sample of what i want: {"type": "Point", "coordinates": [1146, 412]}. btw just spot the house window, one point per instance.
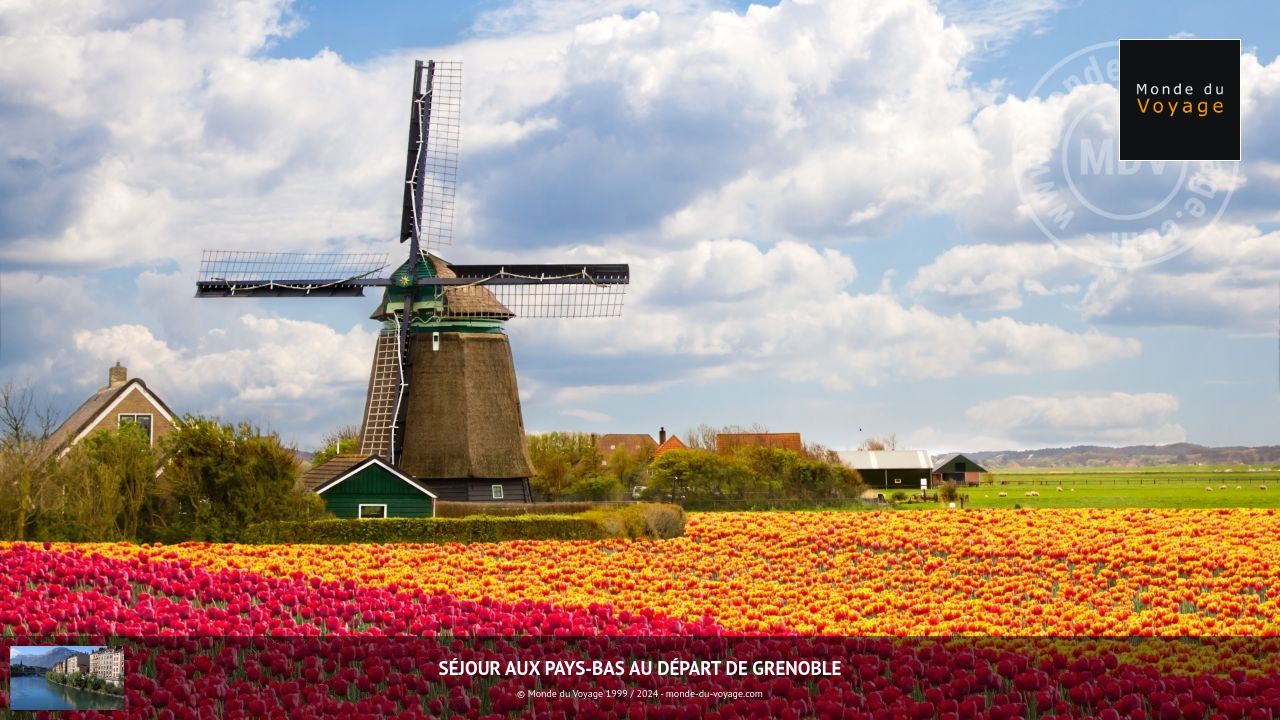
{"type": "Point", "coordinates": [372, 512]}
{"type": "Point", "coordinates": [897, 481]}
{"type": "Point", "coordinates": [497, 492]}
{"type": "Point", "coordinates": [960, 466]}
{"type": "Point", "coordinates": [143, 420]}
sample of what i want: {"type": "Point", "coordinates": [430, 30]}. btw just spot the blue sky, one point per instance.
{"type": "Point", "coordinates": [820, 203]}
{"type": "Point", "coordinates": [39, 649]}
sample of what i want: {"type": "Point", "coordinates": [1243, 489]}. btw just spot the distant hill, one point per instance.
{"type": "Point", "coordinates": [46, 659]}
{"type": "Point", "coordinates": [1131, 456]}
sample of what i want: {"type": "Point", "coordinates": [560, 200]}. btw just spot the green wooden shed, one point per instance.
{"type": "Point", "coordinates": [364, 486]}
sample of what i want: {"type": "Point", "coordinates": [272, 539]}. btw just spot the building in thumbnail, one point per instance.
{"type": "Point", "coordinates": [108, 664]}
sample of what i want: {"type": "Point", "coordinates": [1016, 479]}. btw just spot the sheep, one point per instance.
{"type": "Point", "coordinates": [1239, 487]}
{"type": "Point", "coordinates": [1059, 488]}
{"type": "Point", "coordinates": [1031, 493]}
{"type": "Point", "coordinates": [1262, 487]}
{"type": "Point", "coordinates": [1003, 494]}
{"type": "Point", "coordinates": [1208, 489]}
{"type": "Point", "coordinates": [1222, 487]}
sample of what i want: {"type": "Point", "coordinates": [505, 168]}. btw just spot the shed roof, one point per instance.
{"type": "Point", "coordinates": [336, 470]}
{"type": "Point", "coordinates": [886, 459]}
{"type": "Point", "coordinates": [730, 442]}
{"type": "Point", "coordinates": [942, 461]}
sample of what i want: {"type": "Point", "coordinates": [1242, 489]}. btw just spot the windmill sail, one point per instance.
{"type": "Point", "coordinates": [442, 402]}
{"type": "Point", "coordinates": [432, 164]}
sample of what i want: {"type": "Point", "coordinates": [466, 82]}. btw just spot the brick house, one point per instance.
{"type": "Point", "coordinates": [121, 401]}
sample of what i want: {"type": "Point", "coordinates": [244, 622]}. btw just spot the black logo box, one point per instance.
{"type": "Point", "coordinates": [1187, 68]}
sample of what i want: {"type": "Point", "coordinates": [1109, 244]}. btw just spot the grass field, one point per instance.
{"type": "Point", "coordinates": [1157, 487]}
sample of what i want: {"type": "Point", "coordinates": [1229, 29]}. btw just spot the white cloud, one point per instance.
{"type": "Point", "coordinates": [1227, 278]}
{"type": "Point", "coordinates": [268, 369]}
{"type": "Point", "coordinates": [1116, 418]}
{"type": "Point", "coordinates": [592, 416]}
{"type": "Point", "coordinates": [787, 310]}
{"type": "Point", "coordinates": [996, 277]}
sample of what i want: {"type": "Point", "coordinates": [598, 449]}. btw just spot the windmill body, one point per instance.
{"type": "Point", "coordinates": [442, 402]}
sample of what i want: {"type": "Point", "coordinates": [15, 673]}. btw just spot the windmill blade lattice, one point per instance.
{"type": "Point", "coordinates": [248, 273]}
{"type": "Point", "coordinates": [433, 149]}
{"type": "Point", "coordinates": [529, 300]}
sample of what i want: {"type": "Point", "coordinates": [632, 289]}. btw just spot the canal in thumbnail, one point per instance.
{"type": "Point", "coordinates": [33, 692]}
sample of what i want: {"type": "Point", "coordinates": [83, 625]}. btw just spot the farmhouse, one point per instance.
{"type": "Point", "coordinates": [121, 402]}
{"type": "Point", "coordinates": [890, 469]}
{"type": "Point", "coordinates": [729, 443]}
{"type": "Point", "coordinates": [669, 444]}
{"type": "Point", "coordinates": [632, 444]}
{"type": "Point", "coordinates": [958, 469]}
{"type": "Point", "coordinates": [363, 486]}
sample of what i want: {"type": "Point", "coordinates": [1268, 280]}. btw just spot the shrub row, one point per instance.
{"type": "Point", "coordinates": [455, 509]}
{"type": "Point", "coordinates": [631, 521]}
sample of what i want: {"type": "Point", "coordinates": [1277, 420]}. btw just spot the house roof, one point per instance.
{"type": "Point", "coordinates": [671, 443]}
{"type": "Point", "coordinates": [330, 469]}
{"type": "Point", "coordinates": [886, 459]}
{"type": "Point", "coordinates": [340, 468]}
{"type": "Point", "coordinates": [730, 442]}
{"type": "Point", "coordinates": [92, 410]}
{"type": "Point", "coordinates": [942, 461]}
{"type": "Point", "coordinates": [629, 442]}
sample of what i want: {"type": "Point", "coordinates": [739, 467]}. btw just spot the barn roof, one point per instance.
{"type": "Point", "coordinates": [671, 443]}
{"type": "Point", "coordinates": [943, 460]}
{"type": "Point", "coordinates": [339, 468]}
{"type": "Point", "coordinates": [886, 459]}
{"type": "Point", "coordinates": [731, 442]}
{"type": "Point", "coordinates": [92, 410]}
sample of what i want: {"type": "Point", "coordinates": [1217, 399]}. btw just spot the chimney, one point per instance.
{"type": "Point", "coordinates": [662, 435]}
{"type": "Point", "coordinates": [117, 376]}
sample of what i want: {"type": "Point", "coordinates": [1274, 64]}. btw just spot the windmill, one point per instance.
{"type": "Point", "coordinates": [442, 403]}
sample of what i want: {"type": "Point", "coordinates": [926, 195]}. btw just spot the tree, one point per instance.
{"type": "Point", "coordinates": [704, 436]}
{"type": "Point", "coordinates": [888, 442]}
{"type": "Point", "coordinates": [629, 468]}
{"type": "Point", "coordinates": [697, 477]}
{"type": "Point", "coordinates": [25, 461]}
{"type": "Point", "coordinates": [105, 481]}
{"type": "Point", "coordinates": [560, 459]}
{"type": "Point", "coordinates": [345, 439]}
{"type": "Point", "coordinates": [223, 478]}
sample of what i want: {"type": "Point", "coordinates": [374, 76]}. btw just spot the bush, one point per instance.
{"type": "Point", "coordinates": [948, 492]}
{"type": "Point", "coordinates": [222, 478]}
{"type": "Point", "coordinates": [630, 521]}
{"type": "Point", "coordinates": [898, 496]}
{"type": "Point", "coordinates": [651, 520]}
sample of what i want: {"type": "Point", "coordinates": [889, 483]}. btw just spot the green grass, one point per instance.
{"type": "Point", "coordinates": [1157, 487]}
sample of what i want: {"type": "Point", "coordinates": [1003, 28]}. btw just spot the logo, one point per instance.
{"type": "Point", "coordinates": [1180, 99]}
{"type": "Point", "coordinates": [1103, 209]}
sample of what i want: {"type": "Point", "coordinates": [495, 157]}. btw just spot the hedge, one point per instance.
{"type": "Point", "coordinates": [455, 509]}
{"type": "Point", "coordinates": [646, 520]}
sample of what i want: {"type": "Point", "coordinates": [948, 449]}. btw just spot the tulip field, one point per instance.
{"type": "Point", "coordinates": [975, 613]}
